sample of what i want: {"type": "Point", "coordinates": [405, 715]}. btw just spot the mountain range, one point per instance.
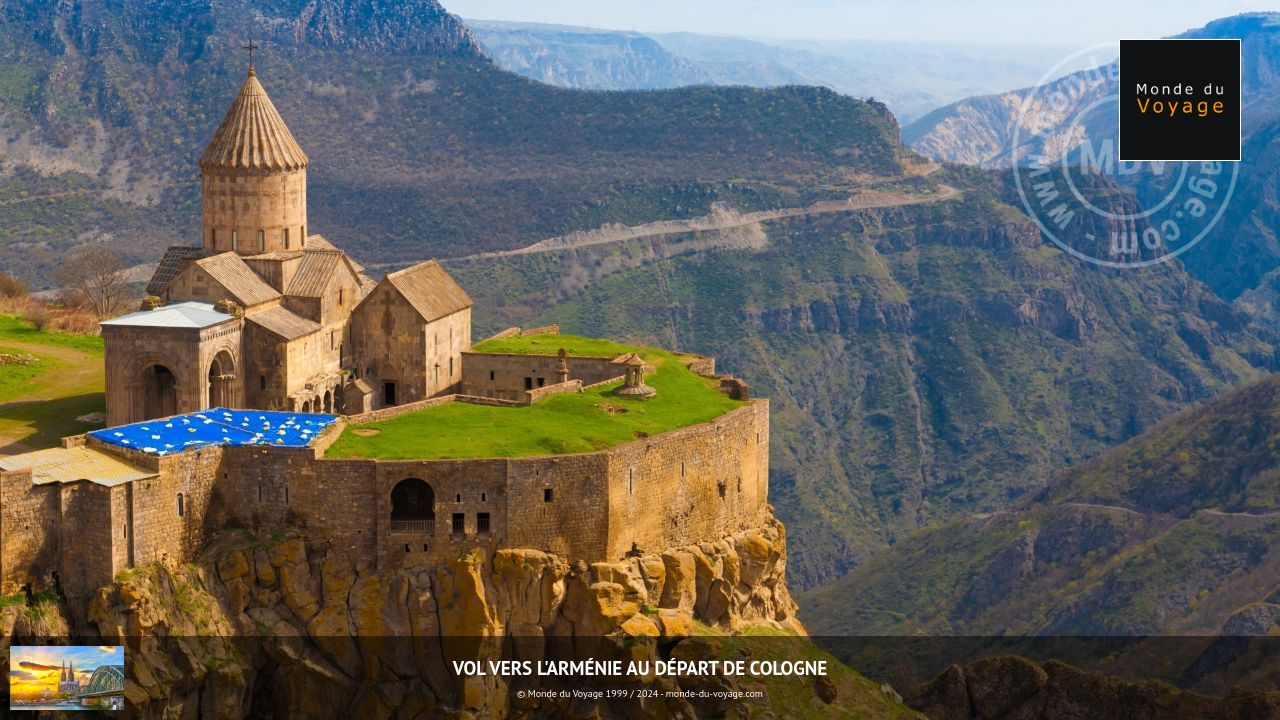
{"type": "Point", "coordinates": [1173, 533]}
{"type": "Point", "coordinates": [911, 78]}
{"type": "Point", "coordinates": [980, 130]}
{"type": "Point", "coordinates": [421, 147]}
{"type": "Point", "coordinates": [928, 355]}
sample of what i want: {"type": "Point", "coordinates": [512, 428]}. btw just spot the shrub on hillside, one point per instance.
{"type": "Point", "coordinates": [11, 287]}
{"type": "Point", "coordinates": [37, 314]}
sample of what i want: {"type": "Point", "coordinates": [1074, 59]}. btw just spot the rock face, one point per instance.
{"type": "Point", "coordinates": [1014, 687]}
{"type": "Point", "coordinates": [303, 628]}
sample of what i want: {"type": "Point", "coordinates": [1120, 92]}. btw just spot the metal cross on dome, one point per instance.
{"type": "Point", "coordinates": [251, 47]}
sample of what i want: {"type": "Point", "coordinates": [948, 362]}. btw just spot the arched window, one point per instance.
{"type": "Point", "coordinates": [262, 241]}
{"type": "Point", "coordinates": [413, 507]}
{"type": "Point", "coordinates": [181, 509]}
{"type": "Point", "coordinates": [286, 238]}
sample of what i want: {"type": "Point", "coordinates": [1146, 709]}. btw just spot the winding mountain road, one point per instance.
{"type": "Point", "coordinates": [720, 218]}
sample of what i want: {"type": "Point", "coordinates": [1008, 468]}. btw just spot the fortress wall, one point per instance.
{"type": "Point", "coordinates": [691, 485]}
{"type": "Point", "coordinates": [267, 487]}
{"type": "Point", "coordinates": [28, 531]}
{"type": "Point", "coordinates": [159, 533]}
{"type": "Point", "coordinates": [574, 522]}
{"type": "Point", "coordinates": [84, 527]}
{"type": "Point", "coordinates": [500, 375]}
{"type": "Point", "coordinates": [120, 532]}
{"type": "Point", "coordinates": [340, 503]}
{"type": "Point", "coordinates": [464, 487]}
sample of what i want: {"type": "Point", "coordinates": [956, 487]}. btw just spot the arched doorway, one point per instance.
{"type": "Point", "coordinates": [328, 401]}
{"type": "Point", "coordinates": [413, 507]}
{"type": "Point", "coordinates": [306, 406]}
{"type": "Point", "coordinates": [159, 392]}
{"type": "Point", "coordinates": [339, 403]}
{"type": "Point", "coordinates": [222, 380]}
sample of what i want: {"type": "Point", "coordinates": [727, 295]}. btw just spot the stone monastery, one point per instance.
{"type": "Point", "coordinates": [260, 348]}
{"type": "Point", "coordinates": [264, 315]}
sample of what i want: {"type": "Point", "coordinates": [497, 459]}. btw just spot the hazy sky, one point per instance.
{"type": "Point", "coordinates": [1040, 22]}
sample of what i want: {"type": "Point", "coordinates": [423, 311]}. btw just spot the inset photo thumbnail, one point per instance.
{"type": "Point", "coordinates": [66, 677]}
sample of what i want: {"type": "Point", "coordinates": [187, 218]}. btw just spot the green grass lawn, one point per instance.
{"type": "Point", "coordinates": [551, 344]}
{"type": "Point", "coordinates": [15, 328]}
{"type": "Point", "coordinates": [566, 423]}
{"type": "Point", "coordinates": [40, 403]}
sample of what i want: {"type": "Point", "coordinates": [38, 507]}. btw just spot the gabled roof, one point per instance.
{"type": "Point", "coordinates": [170, 265]}
{"type": "Point", "coordinates": [430, 290]}
{"type": "Point", "coordinates": [178, 315]}
{"type": "Point", "coordinates": [233, 273]}
{"type": "Point", "coordinates": [253, 136]}
{"type": "Point", "coordinates": [314, 273]}
{"type": "Point", "coordinates": [281, 321]}
{"type": "Point", "coordinates": [318, 242]}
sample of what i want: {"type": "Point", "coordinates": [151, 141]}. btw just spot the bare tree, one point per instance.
{"type": "Point", "coordinates": [97, 275]}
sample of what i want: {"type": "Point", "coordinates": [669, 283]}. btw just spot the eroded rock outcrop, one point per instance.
{"type": "Point", "coordinates": [304, 629]}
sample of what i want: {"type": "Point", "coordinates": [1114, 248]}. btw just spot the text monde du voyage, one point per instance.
{"type": "Point", "coordinates": [1181, 99]}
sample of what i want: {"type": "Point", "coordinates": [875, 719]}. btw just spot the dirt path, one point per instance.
{"type": "Point", "coordinates": [1098, 506]}
{"type": "Point", "coordinates": [59, 389]}
{"type": "Point", "coordinates": [50, 196]}
{"type": "Point", "coordinates": [719, 218]}
{"type": "Point", "coordinates": [85, 368]}
{"type": "Point", "coordinates": [1253, 516]}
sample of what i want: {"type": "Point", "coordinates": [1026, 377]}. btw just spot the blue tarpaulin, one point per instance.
{"type": "Point", "coordinates": [217, 426]}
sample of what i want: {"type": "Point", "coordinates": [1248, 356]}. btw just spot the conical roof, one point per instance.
{"type": "Point", "coordinates": [253, 136]}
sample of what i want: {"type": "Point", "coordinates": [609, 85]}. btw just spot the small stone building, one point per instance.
{"type": "Point", "coordinates": [265, 315]}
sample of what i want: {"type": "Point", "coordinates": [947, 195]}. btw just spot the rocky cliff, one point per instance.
{"type": "Point", "coordinates": [287, 627]}
{"type": "Point", "coordinates": [1014, 687]}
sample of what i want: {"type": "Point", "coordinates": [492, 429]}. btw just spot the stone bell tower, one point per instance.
{"type": "Point", "coordinates": [253, 179]}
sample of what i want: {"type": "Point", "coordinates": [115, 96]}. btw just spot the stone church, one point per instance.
{"type": "Point", "coordinates": [264, 314]}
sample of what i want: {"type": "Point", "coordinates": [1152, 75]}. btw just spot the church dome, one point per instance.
{"type": "Point", "coordinates": [253, 136]}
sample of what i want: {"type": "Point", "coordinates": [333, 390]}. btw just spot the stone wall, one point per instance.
{"type": "Point", "coordinates": [688, 485]}
{"type": "Point", "coordinates": [158, 532]}
{"type": "Point", "coordinates": [245, 202]}
{"type": "Point", "coordinates": [508, 376]}
{"type": "Point", "coordinates": [188, 353]}
{"type": "Point", "coordinates": [680, 488]}
{"type": "Point", "coordinates": [392, 344]}
{"type": "Point", "coordinates": [29, 536]}
{"type": "Point", "coordinates": [87, 558]}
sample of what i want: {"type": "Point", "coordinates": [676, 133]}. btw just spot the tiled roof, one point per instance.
{"type": "Point", "coordinates": [318, 242]}
{"type": "Point", "coordinates": [314, 273]}
{"type": "Point", "coordinates": [170, 265]}
{"type": "Point", "coordinates": [231, 271]}
{"type": "Point", "coordinates": [64, 465]}
{"type": "Point", "coordinates": [430, 290]}
{"type": "Point", "coordinates": [283, 322]}
{"type": "Point", "coordinates": [253, 136]}
{"type": "Point", "coordinates": [178, 315]}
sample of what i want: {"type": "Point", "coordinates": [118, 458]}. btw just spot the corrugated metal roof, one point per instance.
{"type": "Point", "coordinates": [170, 265]}
{"type": "Point", "coordinates": [64, 465]}
{"type": "Point", "coordinates": [253, 136]}
{"type": "Point", "coordinates": [178, 315]}
{"type": "Point", "coordinates": [234, 274]}
{"type": "Point", "coordinates": [430, 290]}
{"type": "Point", "coordinates": [314, 273]}
{"type": "Point", "coordinates": [283, 322]}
